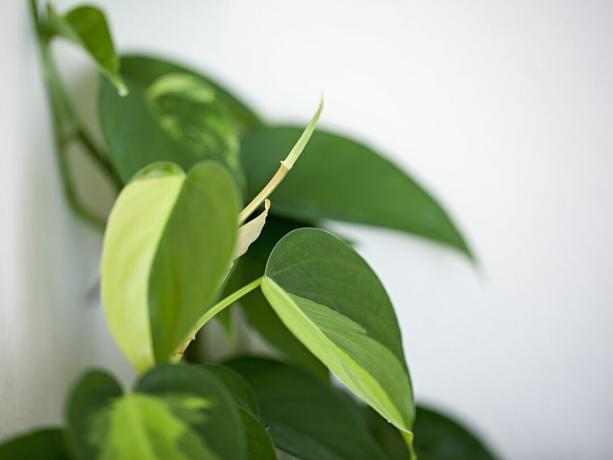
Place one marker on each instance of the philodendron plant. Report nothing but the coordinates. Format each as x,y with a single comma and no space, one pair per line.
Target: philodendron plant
218,209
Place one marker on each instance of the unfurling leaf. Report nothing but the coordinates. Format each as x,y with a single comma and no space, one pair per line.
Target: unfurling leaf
331,300
87,27
167,248
250,231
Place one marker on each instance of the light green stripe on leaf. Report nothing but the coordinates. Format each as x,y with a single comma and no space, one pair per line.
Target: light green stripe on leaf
333,302
135,227
146,427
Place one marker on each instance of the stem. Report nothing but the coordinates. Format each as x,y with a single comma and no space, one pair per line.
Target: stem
285,167
219,306
67,128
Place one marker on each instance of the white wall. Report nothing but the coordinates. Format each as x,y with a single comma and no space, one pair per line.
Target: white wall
504,109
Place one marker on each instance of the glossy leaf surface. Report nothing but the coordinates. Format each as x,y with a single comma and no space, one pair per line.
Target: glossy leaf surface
87,27
256,308
331,300
168,246
341,179
171,114
45,444
307,418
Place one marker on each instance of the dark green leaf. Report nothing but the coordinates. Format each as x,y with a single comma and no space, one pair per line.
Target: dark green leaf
46,444
87,27
340,179
307,418
172,114
259,444
238,387
437,437
257,310
221,425
90,397
331,300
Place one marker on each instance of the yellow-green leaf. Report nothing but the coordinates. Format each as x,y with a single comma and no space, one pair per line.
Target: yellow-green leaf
167,248
331,300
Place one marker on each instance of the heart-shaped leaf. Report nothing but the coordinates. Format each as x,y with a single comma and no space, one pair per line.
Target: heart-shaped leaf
45,444
341,179
87,27
168,246
308,418
175,412
171,114
331,300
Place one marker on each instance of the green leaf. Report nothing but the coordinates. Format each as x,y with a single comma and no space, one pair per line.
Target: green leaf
259,443
144,427
45,444
437,437
89,398
307,418
171,114
221,428
257,310
341,179
331,300
243,394
87,27
167,248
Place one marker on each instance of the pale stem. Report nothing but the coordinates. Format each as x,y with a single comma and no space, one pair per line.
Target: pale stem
285,167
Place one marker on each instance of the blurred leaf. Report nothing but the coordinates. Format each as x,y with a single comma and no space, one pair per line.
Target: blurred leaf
146,427
168,247
259,443
307,418
238,387
258,312
221,426
89,399
340,179
437,437
332,301
87,27
45,444
171,114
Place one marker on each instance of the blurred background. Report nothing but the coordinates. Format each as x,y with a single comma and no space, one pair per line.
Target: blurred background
503,110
